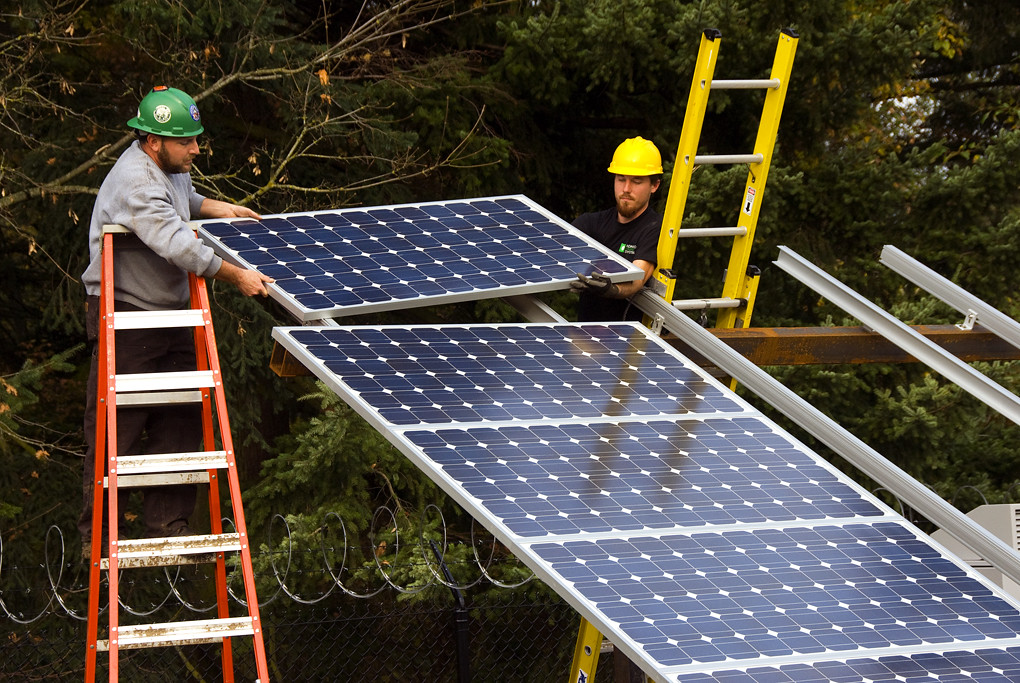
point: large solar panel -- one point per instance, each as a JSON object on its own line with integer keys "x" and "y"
{"x": 702, "y": 539}
{"x": 350, "y": 261}
{"x": 541, "y": 480}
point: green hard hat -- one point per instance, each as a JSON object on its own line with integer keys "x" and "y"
{"x": 168, "y": 111}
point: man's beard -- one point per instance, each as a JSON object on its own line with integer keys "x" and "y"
{"x": 629, "y": 210}
{"x": 164, "y": 162}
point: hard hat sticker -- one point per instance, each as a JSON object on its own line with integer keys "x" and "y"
{"x": 194, "y": 113}
{"x": 161, "y": 113}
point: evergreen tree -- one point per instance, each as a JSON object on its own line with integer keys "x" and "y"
{"x": 900, "y": 127}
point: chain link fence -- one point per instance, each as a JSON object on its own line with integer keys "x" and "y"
{"x": 481, "y": 633}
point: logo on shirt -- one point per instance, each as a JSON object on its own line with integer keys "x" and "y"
{"x": 627, "y": 249}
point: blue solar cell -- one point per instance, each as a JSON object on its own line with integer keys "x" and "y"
{"x": 331, "y": 219}
{"x": 465, "y": 248}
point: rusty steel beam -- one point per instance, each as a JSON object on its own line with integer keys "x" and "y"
{"x": 838, "y": 345}
{"x": 286, "y": 365}
{"x": 804, "y": 346}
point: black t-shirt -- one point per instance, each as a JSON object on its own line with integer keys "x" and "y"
{"x": 637, "y": 240}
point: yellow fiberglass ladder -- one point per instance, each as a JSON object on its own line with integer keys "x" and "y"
{"x": 741, "y": 281}
{"x": 113, "y": 472}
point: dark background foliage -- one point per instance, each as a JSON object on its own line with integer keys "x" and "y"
{"x": 900, "y": 128}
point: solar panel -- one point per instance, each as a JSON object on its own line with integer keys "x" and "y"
{"x": 350, "y": 261}
{"x": 488, "y": 374}
{"x": 702, "y": 539}
{"x": 540, "y": 480}
{"x": 772, "y": 593}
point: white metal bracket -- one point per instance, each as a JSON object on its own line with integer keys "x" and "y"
{"x": 968, "y": 322}
{"x": 657, "y": 322}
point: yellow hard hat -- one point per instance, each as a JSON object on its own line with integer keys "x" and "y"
{"x": 636, "y": 156}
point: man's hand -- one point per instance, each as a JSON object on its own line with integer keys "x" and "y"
{"x": 248, "y": 282}
{"x": 598, "y": 284}
{"x": 214, "y": 208}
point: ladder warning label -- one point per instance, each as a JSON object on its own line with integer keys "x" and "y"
{"x": 749, "y": 201}
{"x": 582, "y": 676}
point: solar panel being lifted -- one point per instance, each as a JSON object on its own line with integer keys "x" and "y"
{"x": 703, "y": 540}
{"x": 350, "y": 261}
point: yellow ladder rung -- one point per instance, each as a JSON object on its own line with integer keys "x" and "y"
{"x": 710, "y": 159}
{"x": 701, "y": 304}
{"x": 735, "y": 231}
{"x": 747, "y": 84}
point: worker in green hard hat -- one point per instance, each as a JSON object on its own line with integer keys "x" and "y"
{"x": 149, "y": 191}
{"x": 631, "y": 229}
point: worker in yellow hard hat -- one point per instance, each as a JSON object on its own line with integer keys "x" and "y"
{"x": 631, "y": 229}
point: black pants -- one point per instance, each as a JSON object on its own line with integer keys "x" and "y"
{"x": 146, "y": 429}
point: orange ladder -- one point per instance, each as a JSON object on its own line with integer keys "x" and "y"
{"x": 204, "y": 386}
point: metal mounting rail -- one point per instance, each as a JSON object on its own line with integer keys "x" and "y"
{"x": 534, "y": 309}
{"x": 848, "y": 446}
{"x": 924, "y": 350}
{"x": 950, "y": 293}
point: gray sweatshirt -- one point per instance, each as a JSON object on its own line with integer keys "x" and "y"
{"x": 150, "y": 265}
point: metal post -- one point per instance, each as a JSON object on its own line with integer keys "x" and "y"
{"x": 461, "y": 622}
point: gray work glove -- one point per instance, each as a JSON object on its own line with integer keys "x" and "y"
{"x": 598, "y": 284}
